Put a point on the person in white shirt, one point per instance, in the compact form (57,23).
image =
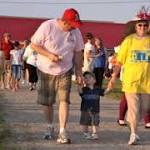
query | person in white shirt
(25,74)
(89,51)
(16,65)
(30,56)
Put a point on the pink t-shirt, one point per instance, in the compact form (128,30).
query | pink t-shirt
(50,36)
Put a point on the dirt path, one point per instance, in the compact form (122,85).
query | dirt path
(27,124)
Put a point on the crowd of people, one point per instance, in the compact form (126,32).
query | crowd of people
(18,62)
(57,50)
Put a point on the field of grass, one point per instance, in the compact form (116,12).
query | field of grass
(116,92)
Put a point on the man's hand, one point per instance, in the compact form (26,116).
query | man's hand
(40,50)
(79,80)
(55,58)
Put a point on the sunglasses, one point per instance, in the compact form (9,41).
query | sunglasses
(142,25)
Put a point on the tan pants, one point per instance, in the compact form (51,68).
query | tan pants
(138,105)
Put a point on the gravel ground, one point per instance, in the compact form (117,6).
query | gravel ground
(27,124)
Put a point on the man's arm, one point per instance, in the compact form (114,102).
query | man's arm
(78,62)
(79,88)
(40,50)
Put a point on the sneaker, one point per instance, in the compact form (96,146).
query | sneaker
(23,82)
(94,136)
(50,133)
(31,89)
(134,138)
(87,135)
(63,138)
(34,86)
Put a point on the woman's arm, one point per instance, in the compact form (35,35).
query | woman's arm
(116,71)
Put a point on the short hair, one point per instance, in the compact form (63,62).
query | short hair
(27,42)
(89,36)
(6,34)
(16,44)
(88,73)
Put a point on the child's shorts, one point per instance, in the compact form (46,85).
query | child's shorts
(16,71)
(89,118)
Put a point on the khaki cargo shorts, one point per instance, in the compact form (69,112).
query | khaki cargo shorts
(50,85)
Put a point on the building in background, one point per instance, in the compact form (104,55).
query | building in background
(23,28)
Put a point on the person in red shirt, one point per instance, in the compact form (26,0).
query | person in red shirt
(7,45)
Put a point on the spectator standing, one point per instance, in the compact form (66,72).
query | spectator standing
(111,63)
(89,52)
(6,46)
(25,69)
(59,46)
(99,62)
(30,56)
(16,62)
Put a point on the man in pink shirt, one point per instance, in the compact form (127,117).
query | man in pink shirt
(59,45)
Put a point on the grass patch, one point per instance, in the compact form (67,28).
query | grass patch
(2,147)
(116,92)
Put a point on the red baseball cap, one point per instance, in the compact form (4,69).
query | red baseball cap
(72,16)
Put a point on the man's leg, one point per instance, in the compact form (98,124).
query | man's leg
(64,87)
(48,110)
(46,97)
(63,118)
(63,114)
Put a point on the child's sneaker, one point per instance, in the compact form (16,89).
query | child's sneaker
(94,136)
(87,135)
(133,139)
(63,138)
(50,133)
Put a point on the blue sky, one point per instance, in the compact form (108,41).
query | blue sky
(100,10)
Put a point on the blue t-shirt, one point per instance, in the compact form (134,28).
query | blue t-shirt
(91,99)
(99,62)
